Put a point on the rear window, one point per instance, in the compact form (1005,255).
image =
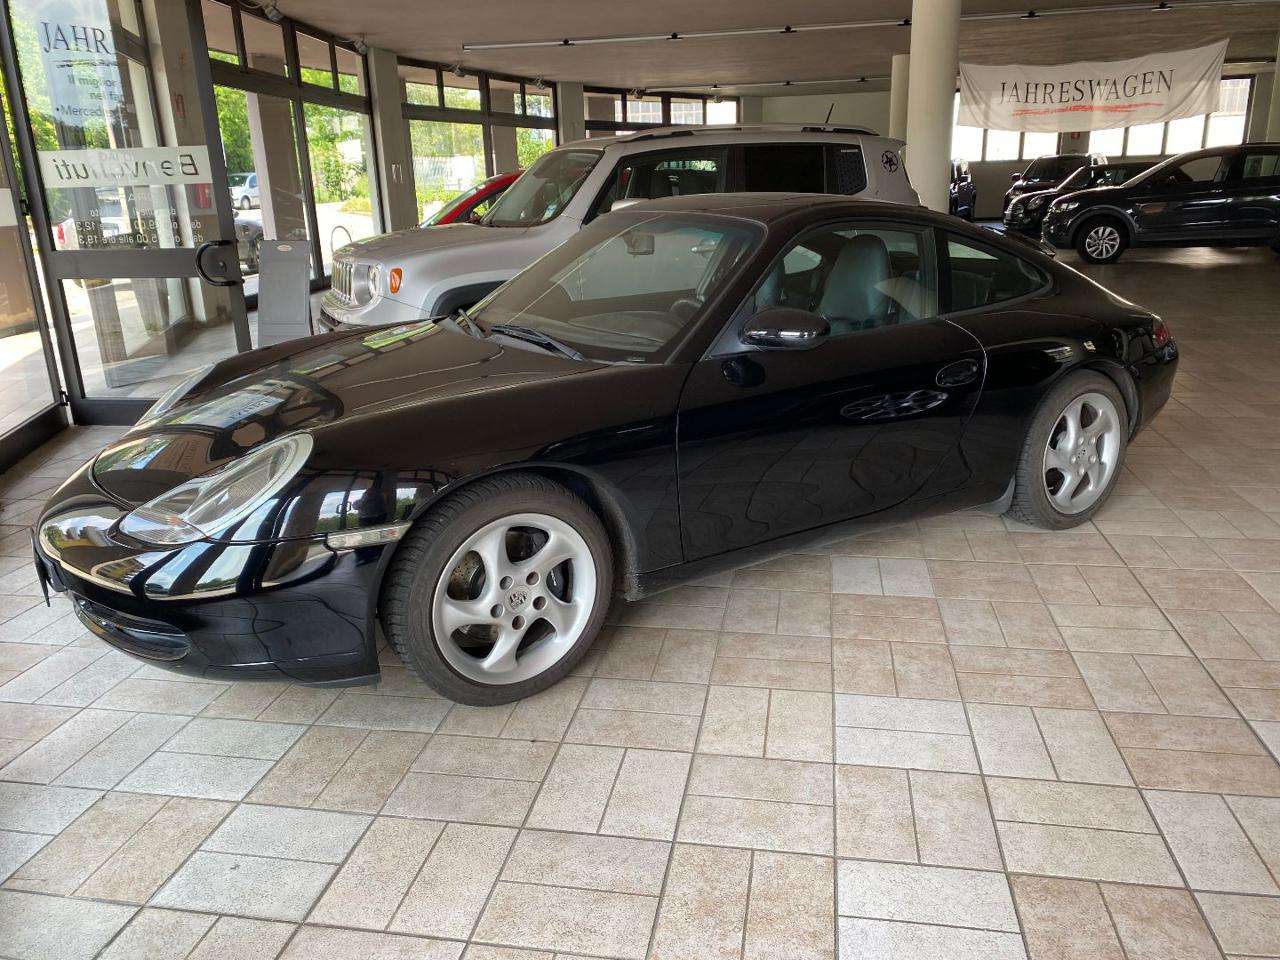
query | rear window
(980,276)
(1054,168)
(786,167)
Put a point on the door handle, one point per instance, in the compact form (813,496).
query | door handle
(223,281)
(958,373)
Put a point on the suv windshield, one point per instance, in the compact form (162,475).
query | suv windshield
(626,288)
(1053,168)
(544,189)
(238,179)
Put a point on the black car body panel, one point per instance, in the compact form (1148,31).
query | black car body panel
(703,456)
(963,192)
(1237,203)
(1045,173)
(1025,214)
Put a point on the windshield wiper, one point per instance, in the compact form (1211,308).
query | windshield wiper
(472,327)
(537,337)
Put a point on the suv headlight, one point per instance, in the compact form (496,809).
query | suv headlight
(1035,203)
(175,393)
(207,505)
(1066,206)
(372,281)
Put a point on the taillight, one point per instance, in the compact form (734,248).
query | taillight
(394,278)
(1160,333)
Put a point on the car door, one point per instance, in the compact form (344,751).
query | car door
(1186,202)
(773,442)
(1253,194)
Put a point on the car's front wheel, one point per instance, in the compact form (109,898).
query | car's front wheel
(499,591)
(1102,240)
(1072,453)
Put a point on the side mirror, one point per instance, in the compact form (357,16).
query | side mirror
(1015,177)
(625,202)
(784,328)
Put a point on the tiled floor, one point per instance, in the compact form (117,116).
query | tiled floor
(949,740)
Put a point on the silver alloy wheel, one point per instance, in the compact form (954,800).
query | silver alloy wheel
(1082,453)
(502,619)
(1102,241)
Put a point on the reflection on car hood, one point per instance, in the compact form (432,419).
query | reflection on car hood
(320,382)
(417,240)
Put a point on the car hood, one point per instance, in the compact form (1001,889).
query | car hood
(1094,194)
(416,241)
(319,384)
(1024,186)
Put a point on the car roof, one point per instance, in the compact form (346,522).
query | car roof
(727,133)
(767,208)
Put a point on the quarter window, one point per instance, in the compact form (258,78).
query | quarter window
(1260,166)
(980,276)
(790,167)
(857,278)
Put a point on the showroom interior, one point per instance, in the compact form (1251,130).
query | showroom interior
(932,734)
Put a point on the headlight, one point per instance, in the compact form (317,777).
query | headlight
(374,279)
(207,505)
(1035,203)
(1067,206)
(175,393)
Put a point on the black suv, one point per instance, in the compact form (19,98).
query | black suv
(1045,172)
(1026,213)
(1226,196)
(964,195)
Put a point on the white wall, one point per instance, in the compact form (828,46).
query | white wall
(855,109)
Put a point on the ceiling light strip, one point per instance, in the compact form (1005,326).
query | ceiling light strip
(1166,6)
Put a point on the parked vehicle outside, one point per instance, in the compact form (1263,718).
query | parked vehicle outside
(1044,173)
(1225,196)
(964,193)
(679,388)
(1026,213)
(244,190)
(471,205)
(413,274)
(249,239)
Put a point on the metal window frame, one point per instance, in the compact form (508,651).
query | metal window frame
(615,126)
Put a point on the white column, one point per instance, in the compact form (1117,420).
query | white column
(935,62)
(395,155)
(570,118)
(898,80)
(1273,115)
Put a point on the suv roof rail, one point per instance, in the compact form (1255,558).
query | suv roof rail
(659,132)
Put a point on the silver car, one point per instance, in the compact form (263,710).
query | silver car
(415,273)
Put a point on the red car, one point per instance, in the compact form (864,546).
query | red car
(472,204)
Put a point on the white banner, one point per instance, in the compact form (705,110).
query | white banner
(77,50)
(133,167)
(1092,95)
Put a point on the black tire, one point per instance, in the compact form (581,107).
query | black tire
(1031,503)
(1117,230)
(411,580)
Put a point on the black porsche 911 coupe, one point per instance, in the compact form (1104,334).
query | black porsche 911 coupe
(681,386)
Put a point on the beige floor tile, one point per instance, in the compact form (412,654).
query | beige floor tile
(791,909)
(450,891)
(749,778)
(804,614)
(1159,924)
(436,796)
(1205,772)
(1008,741)
(901,713)
(901,629)
(924,671)
(1245,925)
(1259,817)
(485,757)
(1086,854)
(574,921)
(645,696)
(759,824)
(261,887)
(971,622)
(153,934)
(370,775)
(370,885)
(236,738)
(863,666)
(1216,735)
(1065,920)
(328,943)
(1069,805)
(873,813)
(628,652)
(628,728)
(882,938)
(237,938)
(45,760)
(1209,844)
(1061,692)
(545,716)
(646,797)
(38,927)
(1028,625)
(1081,747)
(586,862)
(953,821)
(755,611)
(307,768)
(799,726)
(1185,687)
(735,721)
(786,674)
(1061,583)
(686,656)
(1117,683)
(907,893)
(577,787)
(704,904)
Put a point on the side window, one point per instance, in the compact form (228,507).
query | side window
(857,277)
(1199,170)
(1260,166)
(789,167)
(653,175)
(848,175)
(979,276)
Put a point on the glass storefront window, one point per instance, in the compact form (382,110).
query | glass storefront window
(1039,145)
(220,31)
(339,145)
(538,101)
(461,93)
(420,87)
(1108,142)
(531,143)
(313,61)
(1226,124)
(447,159)
(350,71)
(644,109)
(1185,134)
(687,111)
(263,44)
(1145,140)
(602,106)
(1002,144)
(504,96)
(726,111)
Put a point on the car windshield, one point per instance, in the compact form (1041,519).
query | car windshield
(1080,179)
(628,287)
(238,179)
(454,204)
(1052,168)
(544,189)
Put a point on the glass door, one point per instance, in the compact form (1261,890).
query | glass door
(116,121)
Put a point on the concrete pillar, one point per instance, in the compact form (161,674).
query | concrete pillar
(395,155)
(505,158)
(898,85)
(570,112)
(1273,116)
(750,110)
(935,62)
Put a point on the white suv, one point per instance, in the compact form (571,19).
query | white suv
(415,273)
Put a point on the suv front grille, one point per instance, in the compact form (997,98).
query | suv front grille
(343,279)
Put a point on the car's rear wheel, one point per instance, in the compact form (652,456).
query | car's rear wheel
(498,592)
(1102,240)
(1072,454)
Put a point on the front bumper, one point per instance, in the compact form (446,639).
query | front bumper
(337,314)
(1056,229)
(293,609)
